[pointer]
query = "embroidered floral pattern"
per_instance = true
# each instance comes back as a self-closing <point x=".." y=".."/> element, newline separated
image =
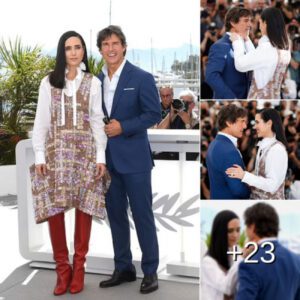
<point x="71" y="162"/>
<point x="260" y="194"/>
<point x="272" y="89"/>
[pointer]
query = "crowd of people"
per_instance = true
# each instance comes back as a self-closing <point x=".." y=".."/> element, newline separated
<point x="213" y="27"/>
<point x="290" y="115"/>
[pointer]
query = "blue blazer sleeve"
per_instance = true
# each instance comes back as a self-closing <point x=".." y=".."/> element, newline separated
<point x="236" y="186"/>
<point x="214" y="69"/>
<point x="248" y="283"/>
<point x="150" y="107"/>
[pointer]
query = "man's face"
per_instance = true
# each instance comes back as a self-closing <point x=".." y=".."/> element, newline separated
<point x="112" y="51"/>
<point x="188" y="99"/>
<point x="243" y="26"/>
<point x="166" y="96"/>
<point x="237" y="129"/>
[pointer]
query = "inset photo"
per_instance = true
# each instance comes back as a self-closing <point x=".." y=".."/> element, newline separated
<point x="250" y="150"/>
<point x="250" y="250"/>
<point x="250" y="49"/>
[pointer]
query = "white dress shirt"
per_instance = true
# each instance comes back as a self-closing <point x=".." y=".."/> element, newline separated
<point x="231" y="137"/>
<point x="110" y="86"/>
<point x="276" y="164"/>
<point x="261" y="60"/>
<point x="215" y="282"/>
<point x="42" y="120"/>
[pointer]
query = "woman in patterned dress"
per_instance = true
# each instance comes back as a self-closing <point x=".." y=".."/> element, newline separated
<point x="271" y="164"/>
<point x="69" y="144"/>
<point x="269" y="61"/>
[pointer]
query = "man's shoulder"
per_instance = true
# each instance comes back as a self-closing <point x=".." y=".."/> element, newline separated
<point x="222" y="44"/>
<point x="223" y="144"/>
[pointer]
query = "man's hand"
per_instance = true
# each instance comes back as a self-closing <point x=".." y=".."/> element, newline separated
<point x="100" y="170"/>
<point x="185" y="117"/>
<point x="41" y="169"/>
<point x="113" y="128"/>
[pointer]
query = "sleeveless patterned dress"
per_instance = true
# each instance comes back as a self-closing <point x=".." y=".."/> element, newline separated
<point x="260" y="194"/>
<point x="272" y="89"/>
<point x="71" y="162"/>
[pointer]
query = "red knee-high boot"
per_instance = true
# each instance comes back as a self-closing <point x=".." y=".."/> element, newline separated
<point x="60" y="253"/>
<point x="83" y="223"/>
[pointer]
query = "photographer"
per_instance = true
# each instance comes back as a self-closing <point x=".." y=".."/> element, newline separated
<point x="210" y="36"/>
<point x="166" y="97"/>
<point x="181" y="115"/>
<point x="295" y="60"/>
<point x="286" y="10"/>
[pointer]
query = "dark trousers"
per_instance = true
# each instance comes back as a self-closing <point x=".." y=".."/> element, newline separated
<point x="135" y="189"/>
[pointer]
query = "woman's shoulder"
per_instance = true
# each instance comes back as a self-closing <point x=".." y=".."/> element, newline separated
<point x="45" y="83"/>
<point x="278" y="148"/>
<point x="209" y="261"/>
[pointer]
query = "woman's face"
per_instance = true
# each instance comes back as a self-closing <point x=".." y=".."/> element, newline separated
<point x="233" y="231"/>
<point x="262" y="27"/>
<point x="74" y="52"/>
<point x="263" y="129"/>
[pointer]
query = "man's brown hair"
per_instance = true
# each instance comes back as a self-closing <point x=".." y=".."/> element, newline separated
<point x="234" y="15"/>
<point x="230" y="113"/>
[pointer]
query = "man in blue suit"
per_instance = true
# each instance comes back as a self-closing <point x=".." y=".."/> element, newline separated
<point x="223" y="153"/>
<point x="131" y="105"/>
<point x="221" y="75"/>
<point x="276" y="274"/>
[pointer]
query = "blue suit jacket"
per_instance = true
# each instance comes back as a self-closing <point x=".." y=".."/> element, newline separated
<point x="136" y="106"/>
<point x="222" y="154"/>
<point x="277" y="281"/>
<point x="221" y="75"/>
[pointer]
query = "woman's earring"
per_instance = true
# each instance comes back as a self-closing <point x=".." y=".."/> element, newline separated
<point x="82" y="66"/>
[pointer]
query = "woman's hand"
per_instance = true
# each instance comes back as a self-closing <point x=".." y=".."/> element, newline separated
<point x="100" y="170"/>
<point x="235" y="172"/>
<point x="234" y="36"/>
<point x="41" y="169"/>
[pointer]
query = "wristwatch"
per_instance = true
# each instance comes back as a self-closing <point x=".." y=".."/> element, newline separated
<point x="187" y="126"/>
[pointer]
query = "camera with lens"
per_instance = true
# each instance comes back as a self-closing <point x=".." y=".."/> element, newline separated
<point x="212" y="28"/>
<point x="180" y="105"/>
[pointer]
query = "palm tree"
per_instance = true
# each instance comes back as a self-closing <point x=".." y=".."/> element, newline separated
<point x="22" y="68"/>
<point x="94" y="65"/>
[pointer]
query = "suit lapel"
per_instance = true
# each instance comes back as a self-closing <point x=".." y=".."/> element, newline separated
<point x="124" y="78"/>
<point x="101" y="77"/>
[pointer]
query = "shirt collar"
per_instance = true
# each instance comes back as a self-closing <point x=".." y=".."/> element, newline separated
<point x="266" y="142"/>
<point x="232" y="138"/>
<point x="78" y="75"/>
<point x="118" y="72"/>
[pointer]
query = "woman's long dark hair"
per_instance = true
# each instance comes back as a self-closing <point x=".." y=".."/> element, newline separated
<point x="277" y="126"/>
<point x="57" y="76"/>
<point x="219" y="237"/>
<point x="275" y="27"/>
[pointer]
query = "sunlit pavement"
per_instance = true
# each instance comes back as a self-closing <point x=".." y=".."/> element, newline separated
<point x="19" y="281"/>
